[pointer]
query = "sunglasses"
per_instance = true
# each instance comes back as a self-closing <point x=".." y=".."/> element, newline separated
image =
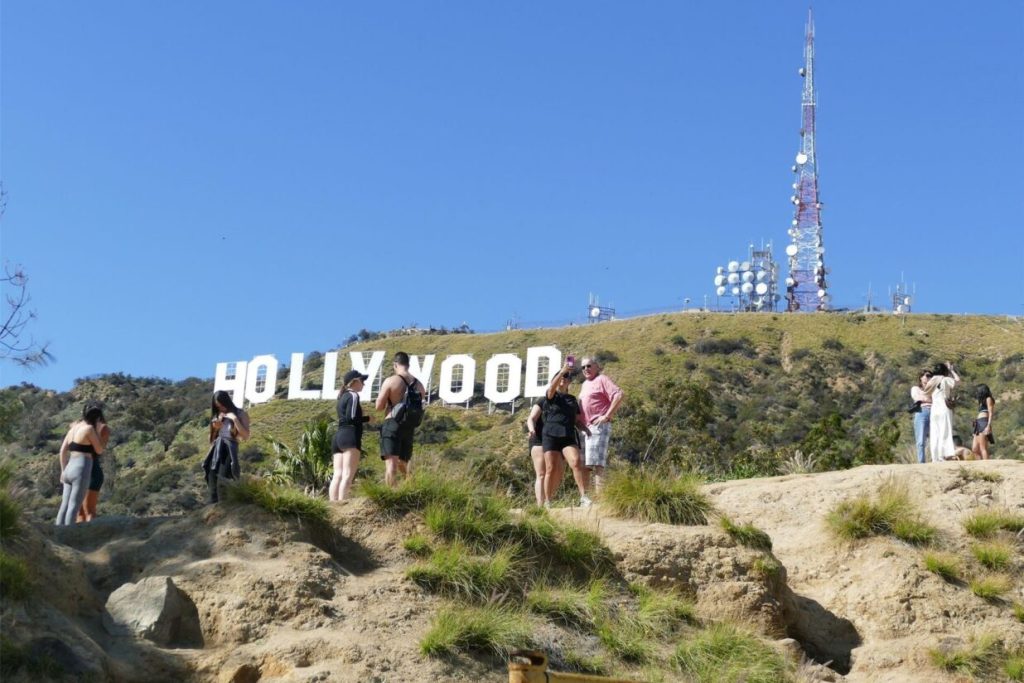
<point x="588" y="366"/>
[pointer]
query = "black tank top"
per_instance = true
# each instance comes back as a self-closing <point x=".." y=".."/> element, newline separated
<point x="82" y="448"/>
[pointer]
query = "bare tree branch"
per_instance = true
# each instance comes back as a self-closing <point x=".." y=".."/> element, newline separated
<point x="14" y="346"/>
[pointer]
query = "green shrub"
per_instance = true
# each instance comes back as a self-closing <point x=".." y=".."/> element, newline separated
<point x="309" y="466"/>
<point x="979" y="659"/>
<point x="945" y="565"/>
<point x="891" y="513"/>
<point x="14" y="659"/>
<point x="584" y="551"/>
<point x="983" y="523"/>
<point x="626" y="640"/>
<point x="475" y="521"/>
<point x="652" y="497"/>
<point x="746" y="534"/>
<point x="1018" y="611"/>
<point x="992" y="587"/>
<point x="569" y="606"/>
<point x="14" y="582"/>
<point x="417" y="493"/>
<point x="765" y="567"/>
<point x="10" y="513"/>
<point x="454" y="570"/>
<point x="281" y="500"/>
<point x="489" y="629"/>
<point x="575" y="662"/>
<point x="969" y="474"/>
<point x="725" y="653"/>
<point x="661" y="613"/>
<point x="996" y="556"/>
<point x="418" y="545"/>
<point x="1014" y="667"/>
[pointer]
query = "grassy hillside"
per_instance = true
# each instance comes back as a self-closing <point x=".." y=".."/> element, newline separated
<point x="724" y="395"/>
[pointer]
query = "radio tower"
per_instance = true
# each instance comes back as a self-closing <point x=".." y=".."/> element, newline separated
<point x="806" y="288"/>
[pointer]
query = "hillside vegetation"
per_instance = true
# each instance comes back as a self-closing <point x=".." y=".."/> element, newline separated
<point x="723" y="396"/>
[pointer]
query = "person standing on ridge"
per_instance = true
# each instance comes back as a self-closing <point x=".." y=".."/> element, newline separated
<point x="92" y="497"/>
<point x="599" y="400"/>
<point x="348" y="440"/>
<point x="229" y="424"/>
<point x="401" y="396"/>
<point x="941" y="387"/>
<point x="922" y="415"/>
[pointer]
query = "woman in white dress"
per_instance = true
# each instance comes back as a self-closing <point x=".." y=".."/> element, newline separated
<point x="940" y="428"/>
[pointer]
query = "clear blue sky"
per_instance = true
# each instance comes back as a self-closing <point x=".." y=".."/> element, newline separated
<point x="194" y="182"/>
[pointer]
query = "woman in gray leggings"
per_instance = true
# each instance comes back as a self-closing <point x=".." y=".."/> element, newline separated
<point x="81" y="444"/>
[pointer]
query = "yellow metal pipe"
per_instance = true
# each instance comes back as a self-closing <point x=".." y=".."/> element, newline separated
<point x="530" y="666"/>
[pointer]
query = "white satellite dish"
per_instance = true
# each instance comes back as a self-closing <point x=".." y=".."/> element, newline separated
<point x="719" y="270"/>
<point x="821" y="250"/>
<point x="803" y="72"/>
<point x="758" y="303"/>
<point x="791" y="232"/>
<point x="734" y="266"/>
<point x="733" y="278"/>
<point x="795" y="186"/>
<point x="762" y="288"/>
<point x="747" y="276"/>
<point x="793" y="169"/>
<point x="795" y="222"/>
<point x="594" y="312"/>
<point x="747" y="288"/>
<point x="901" y="309"/>
<point x="720" y="291"/>
<point x="745" y="265"/>
<point x="735" y="291"/>
<point x="906" y="301"/>
<point x="719" y="280"/>
<point x="761" y="274"/>
<point x="790" y="282"/>
<point x="791" y="250"/>
<point x="794" y="199"/>
<point x="801" y="158"/>
<point x="822" y="293"/>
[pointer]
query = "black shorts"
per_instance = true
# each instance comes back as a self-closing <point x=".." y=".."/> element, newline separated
<point x="396" y="439"/>
<point x="979" y="425"/>
<point x="535" y="440"/>
<point x="348" y="437"/>
<point x="558" y="443"/>
<point x="96" y="475"/>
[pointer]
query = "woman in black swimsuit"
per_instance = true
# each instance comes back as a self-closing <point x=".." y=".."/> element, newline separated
<point x="983" y="422"/>
<point x="228" y="425"/>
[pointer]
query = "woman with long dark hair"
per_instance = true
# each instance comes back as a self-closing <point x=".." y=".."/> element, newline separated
<point x="228" y="425"/>
<point x="81" y="444"/>
<point x="922" y="414"/>
<point x="940" y="427"/>
<point x="983" y="422"/>
<point x="562" y="417"/>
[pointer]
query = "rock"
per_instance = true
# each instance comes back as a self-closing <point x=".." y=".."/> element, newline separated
<point x="154" y="609"/>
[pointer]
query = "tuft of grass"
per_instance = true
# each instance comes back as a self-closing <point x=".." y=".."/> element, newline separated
<point x="626" y="640"/>
<point x="10" y="511"/>
<point x="418" y="545"/>
<point x="765" y="567"/>
<point x="454" y="570"/>
<point x="984" y="523"/>
<point x="281" y="500"/>
<point x="1014" y="667"/>
<point x="945" y="565"/>
<point x="746" y="534"/>
<point x="14" y="583"/>
<point x="583" y="550"/>
<point x="15" y="659"/>
<point x="724" y="652"/>
<point x="995" y="556"/>
<point x="992" y="587"/>
<point x="1018" y="611"/>
<point x="651" y="496"/>
<point x="890" y="513"/>
<point x="417" y="493"/>
<point x="980" y="658"/>
<point x="576" y="662"/>
<point x="569" y="606"/>
<point x="489" y="629"/>
<point x="660" y="613"/>
<point x="969" y="474"/>
<point x="476" y="521"/>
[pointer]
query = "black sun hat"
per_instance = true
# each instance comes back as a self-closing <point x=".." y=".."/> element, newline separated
<point x="354" y="374"/>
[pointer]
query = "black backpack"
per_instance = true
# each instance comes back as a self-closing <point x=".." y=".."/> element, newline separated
<point x="409" y="410"/>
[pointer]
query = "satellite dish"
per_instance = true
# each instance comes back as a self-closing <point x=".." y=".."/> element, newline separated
<point x="790" y="282"/>
<point x="758" y="303"/>
<point x="745" y="265"/>
<point x="761" y="275"/>
<point x="747" y="288"/>
<point x="803" y="72"/>
<point x="901" y="309"/>
<point x="735" y="291"/>
<point x="719" y="280"/>
<point x="821" y="250"/>
<point x="795" y="186"/>
<point x="720" y="291"/>
<point x="793" y="169"/>
<point x="795" y="222"/>
<point x="822" y="294"/>
<point x="734" y="266"/>
<point x="762" y="288"/>
<point x="719" y="270"/>
<point x="594" y="312"/>
<point x="794" y="199"/>
<point x="733" y="278"/>
<point x="747" y="276"/>
<point x="791" y="250"/>
<point x="778" y="297"/>
<point x="791" y="232"/>
<point x="906" y="301"/>
<point x="801" y="158"/>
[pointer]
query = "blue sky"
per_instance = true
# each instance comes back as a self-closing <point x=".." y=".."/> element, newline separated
<point x="195" y="182"/>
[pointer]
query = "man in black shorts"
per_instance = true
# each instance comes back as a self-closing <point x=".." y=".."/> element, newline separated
<point x="396" y="437"/>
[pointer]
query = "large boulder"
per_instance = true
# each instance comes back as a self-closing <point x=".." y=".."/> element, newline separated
<point x="154" y="609"/>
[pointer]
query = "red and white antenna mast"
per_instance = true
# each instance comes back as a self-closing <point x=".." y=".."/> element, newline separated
<point x="806" y="287"/>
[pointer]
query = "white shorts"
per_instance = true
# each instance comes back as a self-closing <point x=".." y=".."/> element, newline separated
<point x="596" y="454"/>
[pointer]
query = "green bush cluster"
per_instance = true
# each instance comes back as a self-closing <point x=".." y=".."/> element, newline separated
<point x="653" y="496"/>
<point x="889" y="513"/>
<point x="283" y="501"/>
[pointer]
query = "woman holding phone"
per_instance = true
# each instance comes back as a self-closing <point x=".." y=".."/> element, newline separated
<point x="562" y="417"/>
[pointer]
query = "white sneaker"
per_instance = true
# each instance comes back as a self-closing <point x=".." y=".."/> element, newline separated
<point x="547" y="504"/>
<point x="585" y="502"/>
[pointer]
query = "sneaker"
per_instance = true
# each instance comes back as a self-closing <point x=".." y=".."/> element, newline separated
<point x="585" y="502"/>
<point x="547" y="504"/>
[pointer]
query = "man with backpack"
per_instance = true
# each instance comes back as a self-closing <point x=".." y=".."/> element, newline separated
<point x="401" y="396"/>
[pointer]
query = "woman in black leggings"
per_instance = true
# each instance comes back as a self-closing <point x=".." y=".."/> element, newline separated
<point x="228" y="426"/>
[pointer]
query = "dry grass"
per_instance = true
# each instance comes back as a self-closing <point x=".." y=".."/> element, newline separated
<point x="890" y="513"/>
<point x="996" y="556"/>
<point x="746" y="534"/>
<point x="991" y="588"/>
<point x="985" y="523"/>
<point x="651" y="496"/>
<point x="979" y="659"/>
<point x="945" y="565"/>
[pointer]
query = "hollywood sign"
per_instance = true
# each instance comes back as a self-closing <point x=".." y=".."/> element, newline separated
<point x="504" y="380"/>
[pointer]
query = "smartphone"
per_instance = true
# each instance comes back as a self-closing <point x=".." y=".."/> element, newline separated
<point x="570" y="361"/>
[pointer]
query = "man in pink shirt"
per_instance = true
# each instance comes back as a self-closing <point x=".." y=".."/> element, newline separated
<point x="599" y="399"/>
